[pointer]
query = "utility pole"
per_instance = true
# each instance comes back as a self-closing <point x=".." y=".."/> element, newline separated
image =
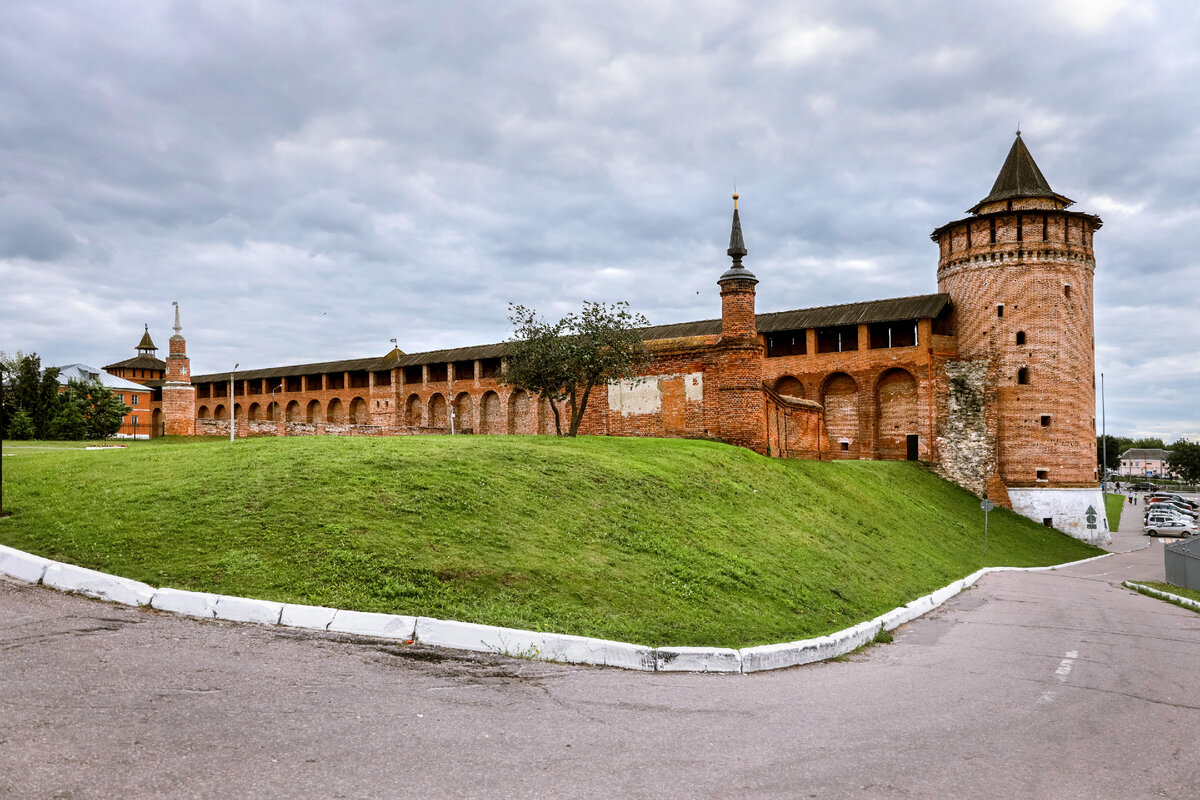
<point x="1103" y="440"/>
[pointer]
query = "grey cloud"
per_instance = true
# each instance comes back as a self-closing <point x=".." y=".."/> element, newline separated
<point x="33" y="229"/>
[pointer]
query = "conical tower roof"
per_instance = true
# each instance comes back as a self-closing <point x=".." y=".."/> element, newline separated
<point x="1020" y="177"/>
<point x="737" y="249"/>
<point x="146" y="343"/>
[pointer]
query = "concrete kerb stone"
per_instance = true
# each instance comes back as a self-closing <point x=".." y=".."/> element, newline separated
<point x="492" y="639"/>
<point x="244" y="609"/>
<point x="367" y="623"/>
<point x="697" y="659"/>
<point x="71" y="578"/>
<point x="312" y="617"/>
<point x="1174" y="598"/>
<point x="560" y="647"/>
<point x="23" y="566"/>
<point x="180" y="601"/>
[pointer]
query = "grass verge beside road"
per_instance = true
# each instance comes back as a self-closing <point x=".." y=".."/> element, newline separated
<point x="1113" y="505"/>
<point x="1178" y="591"/>
<point x="661" y="542"/>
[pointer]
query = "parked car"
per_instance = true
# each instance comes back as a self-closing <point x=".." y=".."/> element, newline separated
<point x="1173" y="527"/>
<point x="1144" y="487"/>
<point x="1159" y="497"/>
<point x="1172" y="505"/>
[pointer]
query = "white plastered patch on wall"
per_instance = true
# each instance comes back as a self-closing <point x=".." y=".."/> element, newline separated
<point x="644" y="396"/>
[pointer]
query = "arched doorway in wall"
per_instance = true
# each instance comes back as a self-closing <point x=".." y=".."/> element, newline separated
<point x="437" y="411"/>
<point x="790" y="387"/>
<point x="220" y="412"/>
<point x="412" y="411"/>
<point x="462" y="412"/>
<point x="520" y="413"/>
<point x="546" y="417"/>
<point x="489" y="413"/>
<point x="156" y="422"/>
<point x="254" y="412"/>
<point x="358" y="412"/>
<point x="839" y="396"/>
<point x="335" y="412"/>
<point x="897" y="422"/>
<point x="313" y="412"/>
<point x="292" y="412"/>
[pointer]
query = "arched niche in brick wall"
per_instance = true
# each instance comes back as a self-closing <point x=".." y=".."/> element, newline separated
<point x="520" y="413"/>
<point x="254" y="412"/>
<point x="489" y="413"/>
<point x="412" y="411"/>
<point x="546" y="417"/>
<point x="221" y="412"/>
<point x="335" y="412"/>
<point x="358" y="412"/>
<point x="839" y="396"/>
<point x="789" y="386"/>
<point x="462" y="411"/>
<point x="437" y="411"/>
<point x="313" y="412"/>
<point x="292" y="412"/>
<point x="202" y="412"/>
<point x="896" y="416"/>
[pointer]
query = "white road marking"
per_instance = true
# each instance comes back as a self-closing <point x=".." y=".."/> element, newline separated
<point x="1064" y="666"/>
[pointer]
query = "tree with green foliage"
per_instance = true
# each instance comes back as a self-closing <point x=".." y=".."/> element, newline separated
<point x="97" y="406"/>
<point x="1184" y="460"/>
<point x="68" y="424"/>
<point x="20" y="426"/>
<point x="564" y="361"/>
<point x="1110" y="448"/>
<point x="29" y="389"/>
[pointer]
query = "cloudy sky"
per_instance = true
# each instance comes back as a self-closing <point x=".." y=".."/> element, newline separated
<point x="312" y="179"/>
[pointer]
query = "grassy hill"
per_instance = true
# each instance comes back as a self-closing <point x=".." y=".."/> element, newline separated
<point x="661" y="542"/>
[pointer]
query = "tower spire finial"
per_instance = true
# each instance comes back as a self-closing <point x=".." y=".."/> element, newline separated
<point x="737" y="246"/>
<point x="177" y="326"/>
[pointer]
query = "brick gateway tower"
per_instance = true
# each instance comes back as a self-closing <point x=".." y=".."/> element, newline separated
<point x="1019" y="273"/>
<point x="178" y="393"/>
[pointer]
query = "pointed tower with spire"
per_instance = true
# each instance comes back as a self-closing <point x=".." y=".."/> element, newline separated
<point x="741" y="405"/>
<point x="178" y="394"/>
<point x="1019" y="274"/>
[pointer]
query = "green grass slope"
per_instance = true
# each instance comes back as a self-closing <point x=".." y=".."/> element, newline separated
<point x="661" y="542"/>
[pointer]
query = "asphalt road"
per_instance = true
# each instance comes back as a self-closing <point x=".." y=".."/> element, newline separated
<point x="1038" y="685"/>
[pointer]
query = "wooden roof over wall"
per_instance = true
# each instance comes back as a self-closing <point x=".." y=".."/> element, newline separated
<point x="925" y="306"/>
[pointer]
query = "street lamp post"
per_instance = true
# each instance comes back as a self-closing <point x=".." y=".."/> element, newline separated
<point x="232" y="415"/>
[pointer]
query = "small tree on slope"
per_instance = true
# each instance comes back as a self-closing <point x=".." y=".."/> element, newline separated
<point x="564" y="361"/>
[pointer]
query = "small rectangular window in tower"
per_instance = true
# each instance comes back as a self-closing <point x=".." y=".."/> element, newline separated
<point x="845" y="446"/>
<point x="1023" y="376"/>
<point x="1000" y="309"/>
<point x="1066" y="290"/>
<point x="1043" y="474"/>
<point x="1048" y="522"/>
<point x="1045" y="420"/>
<point x="993" y="221"/>
<point x="1020" y="337"/>
<point x="1020" y="228"/>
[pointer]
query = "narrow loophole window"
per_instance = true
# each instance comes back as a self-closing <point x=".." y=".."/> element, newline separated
<point x="1043" y="475"/>
<point x="1020" y="337"/>
<point x="1000" y="310"/>
<point x="1066" y="290"/>
<point x="1045" y="420"/>
<point x="1023" y="375"/>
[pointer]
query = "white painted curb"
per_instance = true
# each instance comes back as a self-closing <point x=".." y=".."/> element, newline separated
<point x="71" y="578"/>
<point x="366" y="623"/>
<point x="179" y="601"/>
<point x="23" y="566"/>
<point x="559" y="647"/>
<point x="1186" y="601"/>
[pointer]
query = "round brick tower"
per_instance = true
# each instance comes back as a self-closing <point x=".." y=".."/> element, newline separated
<point x="1019" y="274"/>
<point x="742" y="408"/>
